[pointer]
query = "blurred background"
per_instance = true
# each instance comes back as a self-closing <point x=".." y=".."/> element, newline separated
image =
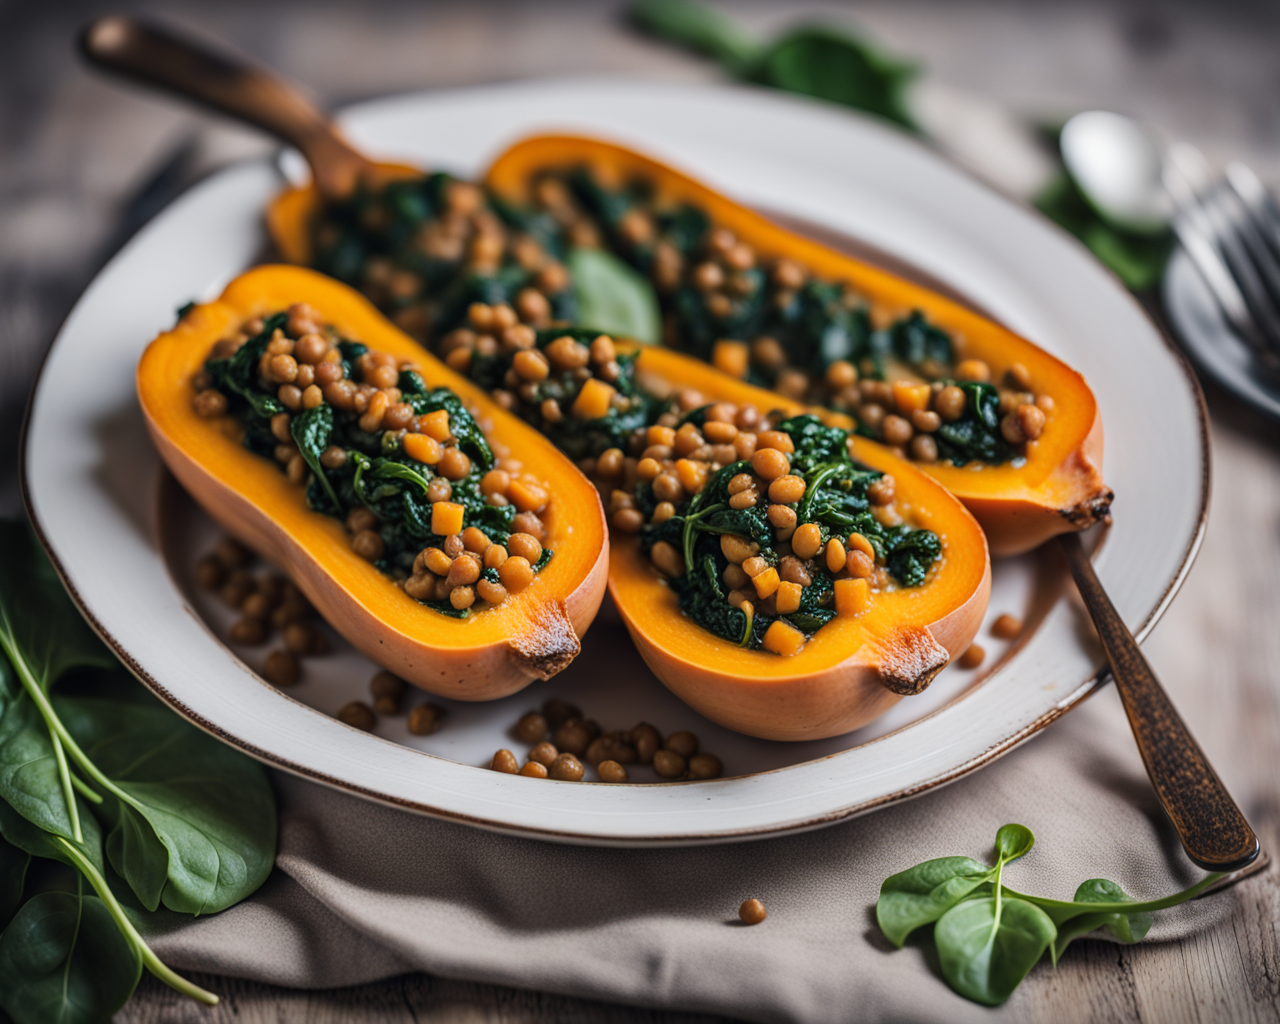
<point x="76" y="148"/>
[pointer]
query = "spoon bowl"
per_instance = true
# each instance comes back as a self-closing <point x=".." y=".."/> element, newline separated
<point x="1118" y="164"/>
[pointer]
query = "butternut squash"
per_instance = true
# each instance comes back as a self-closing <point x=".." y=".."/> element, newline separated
<point x="854" y="668"/>
<point x="1059" y="488"/>
<point x="531" y="635"/>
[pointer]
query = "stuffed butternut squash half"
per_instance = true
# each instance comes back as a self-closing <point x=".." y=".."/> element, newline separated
<point x="784" y="577"/>
<point x="441" y="536"/>
<point x="1011" y="430"/>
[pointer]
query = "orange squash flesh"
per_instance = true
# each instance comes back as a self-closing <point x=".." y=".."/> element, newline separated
<point x="495" y="652"/>
<point x="855" y="668"/>
<point x="1057" y="490"/>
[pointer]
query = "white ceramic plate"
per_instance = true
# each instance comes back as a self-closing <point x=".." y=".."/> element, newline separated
<point x="96" y="491"/>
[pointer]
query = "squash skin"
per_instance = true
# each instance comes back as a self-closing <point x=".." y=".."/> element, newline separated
<point x="1059" y="489"/>
<point x="854" y="669"/>
<point x="532" y="635"/>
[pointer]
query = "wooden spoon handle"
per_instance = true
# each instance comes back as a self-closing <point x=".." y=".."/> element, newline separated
<point x="1212" y="828"/>
<point x="156" y="57"/>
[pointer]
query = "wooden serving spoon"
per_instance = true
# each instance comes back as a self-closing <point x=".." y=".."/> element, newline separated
<point x="155" y="57"/>
<point x="1211" y="826"/>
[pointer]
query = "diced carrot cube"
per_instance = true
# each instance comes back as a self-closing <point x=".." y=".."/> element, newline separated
<point x="766" y="582"/>
<point x="527" y="497"/>
<point x="853" y="596"/>
<point x="435" y="424"/>
<point x="423" y="448"/>
<point x="446" y="518"/>
<point x="783" y="638"/>
<point x="789" y="598"/>
<point x="593" y="400"/>
<point x="910" y="397"/>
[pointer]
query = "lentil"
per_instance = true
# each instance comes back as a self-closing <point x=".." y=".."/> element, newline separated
<point x="611" y="771"/>
<point x="751" y="912"/>
<point x="1006" y="627"/>
<point x="424" y="719"/>
<point x="282" y="669"/>
<point x="504" y="761"/>
<point x="567" y="768"/>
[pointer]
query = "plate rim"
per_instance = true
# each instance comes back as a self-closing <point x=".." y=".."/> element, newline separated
<point x="1082" y="691"/>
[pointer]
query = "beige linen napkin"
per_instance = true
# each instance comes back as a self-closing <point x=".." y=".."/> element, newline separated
<point x="363" y="892"/>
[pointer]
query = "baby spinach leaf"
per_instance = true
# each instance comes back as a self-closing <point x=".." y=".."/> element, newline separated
<point x="911" y="555"/>
<point x="62" y="958"/>
<point x="1014" y="841"/>
<point x="461" y="423"/>
<point x="1127" y="928"/>
<point x="310" y="430"/>
<point x="209" y="807"/>
<point x="31" y="838"/>
<point x="922" y="894"/>
<point x="41" y="631"/>
<point x="613" y="298"/>
<point x="44" y="636"/>
<point x="987" y="945"/>
<point x="826" y="62"/>
<point x="237" y="373"/>
<point x="13" y="875"/>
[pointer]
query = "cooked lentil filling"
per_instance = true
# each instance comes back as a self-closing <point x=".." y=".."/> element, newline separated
<point x="427" y="250"/>
<point x="764" y="526"/>
<point x="406" y="467"/>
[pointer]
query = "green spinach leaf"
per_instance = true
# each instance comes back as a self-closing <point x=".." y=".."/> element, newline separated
<point x="987" y="945"/>
<point x="13" y="874"/>
<point x="311" y="429"/>
<point x="922" y="894"/>
<point x="209" y="807"/>
<point x="1127" y="928"/>
<point x="613" y="298"/>
<point x="62" y="958"/>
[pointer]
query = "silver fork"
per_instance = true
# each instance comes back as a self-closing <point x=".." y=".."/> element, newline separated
<point x="1230" y="228"/>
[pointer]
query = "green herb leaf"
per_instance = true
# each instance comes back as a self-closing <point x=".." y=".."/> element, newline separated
<point x="209" y="807"/>
<point x="922" y="894"/>
<point x="1127" y="928"/>
<point x="310" y="430"/>
<point x="1014" y="841"/>
<point x="987" y="945"/>
<point x="62" y="958"/>
<point x="13" y="875"/>
<point x="613" y="298"/>
<point x="700" y="28"/>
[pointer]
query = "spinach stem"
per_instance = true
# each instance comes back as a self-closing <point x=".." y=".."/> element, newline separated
<point x="58" y="731"/>
<point x="153" y="963"/>
<point x="83" y="788"/>
<point x="41" y="701"/>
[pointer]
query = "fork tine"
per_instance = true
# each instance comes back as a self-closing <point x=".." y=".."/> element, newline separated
<point x="1216" y="274"/>
<point x="1257" y="201"/>
<point x="1249" y="258"/>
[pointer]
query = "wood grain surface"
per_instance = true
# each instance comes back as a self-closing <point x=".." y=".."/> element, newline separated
<point x="73" y="147"/>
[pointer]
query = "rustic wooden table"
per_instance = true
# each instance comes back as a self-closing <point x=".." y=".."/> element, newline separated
<point x="72" y="147"/>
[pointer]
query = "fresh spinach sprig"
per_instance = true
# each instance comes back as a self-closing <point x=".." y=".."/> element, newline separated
<point x="110" y="808"/>
<point x="988" y="936"/>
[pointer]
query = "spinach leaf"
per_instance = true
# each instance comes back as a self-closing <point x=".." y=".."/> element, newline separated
<point x="987" y="945"/>
<point x="612" y="297"/>
<point x="43" y="636"/>
<point x="922" y="894"/>
<point x="1127" y="928"/>
<point x="13" y="875"/>
<point x="911" y="555"/>
<point x="178" y="792"/>
<point x="976" y="435"/>
<point x="828" y="63"/>
<point x="988" y="936"/>
<point x="236" y="375"/>
<point x="917" y="342"/>
<point x="62" y="958"/>
<point x="310" y="430"/>
<point x="461" y="423"/>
